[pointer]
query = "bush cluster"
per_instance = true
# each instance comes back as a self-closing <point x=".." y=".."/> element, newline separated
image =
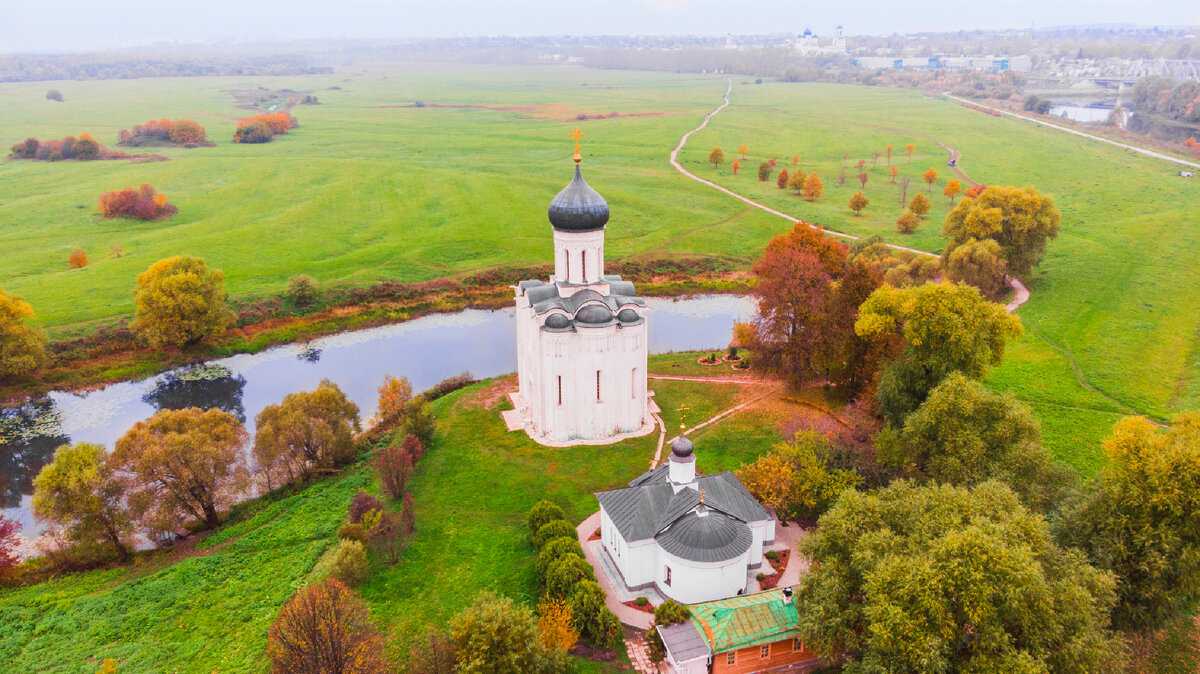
<point x="83" y="148"/>
<point x="183" y="132"/>
<point x="264" y="128"/>
<point x="144" y="203"/>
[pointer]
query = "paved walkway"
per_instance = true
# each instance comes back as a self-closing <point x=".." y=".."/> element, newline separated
<point x="629" y="616"/>
<point x="639" y="654"/>
<point x="1022" y="291"/>
<point x="1067" y="129"/>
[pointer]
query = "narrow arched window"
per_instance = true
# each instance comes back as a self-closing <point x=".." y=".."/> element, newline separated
<point x="583" y="264"/>
<point x="560" y="389"/>
<point x="597" y="385"/>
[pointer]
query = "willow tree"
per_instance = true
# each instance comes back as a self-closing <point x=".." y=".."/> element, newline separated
<point x="309" y="430"/>
<point x="180" y="301"/>
<point x="80" y="492"/>
<point x="1020" y="219"/>
<point x="22" y="346"/>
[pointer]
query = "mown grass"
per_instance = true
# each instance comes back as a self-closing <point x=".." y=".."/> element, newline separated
<point x="472" y="491"/>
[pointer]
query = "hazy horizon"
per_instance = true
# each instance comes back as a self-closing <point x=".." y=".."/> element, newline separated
<point x="28" y="26"/>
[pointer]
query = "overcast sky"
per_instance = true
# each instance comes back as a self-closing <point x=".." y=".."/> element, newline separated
<point x="58" y="25"/>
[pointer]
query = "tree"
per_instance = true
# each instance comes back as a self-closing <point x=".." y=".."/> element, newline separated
<point x="554" y="551"/>
<point x="952" y="190"/>
<point x="946" y="327"/>
<point x="875" y="158"/>
<point x="1140" y="519"/>
<point x="924" y="578"/>
<point x="542" y="513"/>
<point x="394" y="396"/>
<point x="771" y="161"/>
<point x="253" y="132"/>
<point x="735" y="166"/>
<point x="180" y="301"/>
<point x="413" y="445"/>
<point x="978" y="263"/>
<point x="920" y="205"/>
<point x="889" y="156"/>
<point x="892" y="171"/>
<point x="908" y="222"/>
<point x="303" y="290"/>
<point x="565" y="573"/>
<point x="670" y="612"/>
<point x="795" y="479"/>
<point x="742" y="151"/>
<point x="394" y="466"/>
<point x="781" y="180"/>
<point x="551" y="531"/>
<point x="86" y="148"/>
<point x="964" y="434"/>
<point x="388" y="536"/>
<point x="842" y="175"/>
<point x="420" y="421"/>
<point x="408" y="515"/>
<point x="764" y="172"/>
<point x="54" y="95"/>
<point x="183" y="464"/>
<point x="795" y="181"/>
<point x="795" y="160"/>
<point x="437" y="654"/>
<point x="350" y="563"/>
<point x="556" y="623"/>
<point x="360" y="505"/>
<point x="1021" y="220"/>
<point x="496" y="636"/>
<point x="325" y="628"/>
<point x="858" y="201"/>
<point x="309" y="430"/>
<point x="78" y="259"/>
<point x="716" y="157"/>
<point x="813" y="187"/>
<point x="187" y="132"/>
<point x="862" y="180"/>
<point x="22" y="347"/>
<point x="904" y="182"/>
<point x="908" y="151"/>
<point x="79" y="492"/>
<point x="10" y="540"/>
<point x="929" y="177"/>
<point x="144" y="203"/>
<point x="597" y="624"/>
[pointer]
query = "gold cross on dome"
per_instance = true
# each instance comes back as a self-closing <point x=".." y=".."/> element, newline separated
<point x="702" y="496"/>
<point x="577" y="134"/>
<point x="682" y="409"/>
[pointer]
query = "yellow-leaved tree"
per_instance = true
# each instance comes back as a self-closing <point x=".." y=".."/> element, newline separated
<point x="180" y="301"/>
<point x="1020" y="219"/>
<point x="813" y="187"/>
<point x="22" y="346"/>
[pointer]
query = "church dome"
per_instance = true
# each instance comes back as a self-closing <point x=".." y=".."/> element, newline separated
<point x="682" y="447"/>
<point x="627" y="316"/>
<point x="578" y="207"/>
<point x="715" y="537"/>
<point x="557" y="321"/>
<point x="593" y="314"/>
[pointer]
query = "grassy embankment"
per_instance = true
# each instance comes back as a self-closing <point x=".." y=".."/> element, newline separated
<point x="472" y="492"/>
<point x="1117" y="295"/>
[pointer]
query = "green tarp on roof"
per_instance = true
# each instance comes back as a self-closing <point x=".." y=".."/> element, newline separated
<point x="746" y="620"/>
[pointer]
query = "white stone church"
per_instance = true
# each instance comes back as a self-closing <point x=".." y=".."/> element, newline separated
<point x="581" y="336"/>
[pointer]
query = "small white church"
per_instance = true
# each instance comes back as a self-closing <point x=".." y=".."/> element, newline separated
<point x="581" y="336"/>
<point x="693" y="538"/>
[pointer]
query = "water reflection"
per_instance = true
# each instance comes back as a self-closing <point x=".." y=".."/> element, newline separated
<point x="29" y="434"/>
<point x="203" y="386"/>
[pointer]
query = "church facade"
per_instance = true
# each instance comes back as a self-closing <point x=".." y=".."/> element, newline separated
<point x="581" y="335"/>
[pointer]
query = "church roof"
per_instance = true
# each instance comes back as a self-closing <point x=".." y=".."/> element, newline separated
<point x="713" y="537"/>
<point x="578" y="207"/>
<point x="605" y="309"/>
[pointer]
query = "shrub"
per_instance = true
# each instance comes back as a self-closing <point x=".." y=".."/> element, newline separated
<point x="325" y="628"/>
<point x="564" y="574"/>
<point x="22" y="346"/>
<point x="641" y="601"/>
<point x="389" y="535"/>
<point x="413" y="446"/>
<point x="436" y="654"/>
<point x="908" y="223"/>
<point x="394" y="396"/>
<point x="670" y="612"/>
<point x="771" y="555"/>
<point x="394" y="466"/>
<point x="556" y="625"/>
<point x="78" y="259"/>
<point x="420" y="421"/>
<point x="302" y="290"/>
<point x="160" y="131"/>
<point x="553" y="551"/>
<point x="361" y="504"/>
<point x="920" y="205"/>
<point x="26" y="149"/>
<point x="86" y="148"/>
<point x="54" y="95"/>
<point x="732" y="352"/>
<point x="551" y="531"/>
<point x="761" y="577"/>
<point x="495" y="635"/>
<point x="353" y="532"/>
<point x="350" y="563"/>
<point x="597" y="624"/>
<point x="254" y="132"/>
<point x="144" y="203"/>
<point x="542" y="513"/>
<point x="263" y="128"/>
<point x="187" y="132"/>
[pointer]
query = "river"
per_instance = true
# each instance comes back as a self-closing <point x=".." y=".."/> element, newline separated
<point x="426" y="350"/>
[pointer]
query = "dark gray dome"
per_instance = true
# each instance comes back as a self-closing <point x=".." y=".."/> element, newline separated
<point x="593" y="314"/>
<point x="627" y="316"/>
<point x="716" y="537"/>
<point x="682" y="447"/>
<point x="557" y="321"/>
<point x="578" y="208"/>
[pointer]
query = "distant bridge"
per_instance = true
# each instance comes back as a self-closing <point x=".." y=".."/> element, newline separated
<point x="1178" y="69"/>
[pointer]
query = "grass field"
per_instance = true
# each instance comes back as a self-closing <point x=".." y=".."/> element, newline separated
<point x="472" y="490"/>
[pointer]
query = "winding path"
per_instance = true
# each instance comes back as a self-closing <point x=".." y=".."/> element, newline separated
<point x="1022" y="293"/>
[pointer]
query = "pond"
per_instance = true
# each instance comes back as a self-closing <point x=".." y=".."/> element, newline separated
<point x="426" y="350"/>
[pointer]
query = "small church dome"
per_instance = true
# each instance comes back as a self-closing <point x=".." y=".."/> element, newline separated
<point x="557" y="321"/>
<point x="593" y="314"/>
<point x="627" y="316"/>
<point x="578" y="207"/>
<point x="682" y="447"/>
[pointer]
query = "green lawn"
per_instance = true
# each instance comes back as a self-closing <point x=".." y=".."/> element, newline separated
<point x="472" y="490"/>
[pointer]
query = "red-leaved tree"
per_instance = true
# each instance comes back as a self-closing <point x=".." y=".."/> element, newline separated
<point x="325" y="628"/>
<point x="9" y="541"/>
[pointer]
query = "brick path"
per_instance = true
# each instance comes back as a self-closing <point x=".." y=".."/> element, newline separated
<point x="639" y="654"/>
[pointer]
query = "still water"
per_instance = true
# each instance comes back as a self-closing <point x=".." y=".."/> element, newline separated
<point x="426" y="350"/>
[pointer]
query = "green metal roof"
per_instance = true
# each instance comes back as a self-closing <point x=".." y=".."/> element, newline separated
<point x="746" y="620"/>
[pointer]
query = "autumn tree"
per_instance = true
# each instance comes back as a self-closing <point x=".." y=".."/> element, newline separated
<point x="771" y="161"/>
<point x="187" y="132"/>
<point x="86" y="148"/>
<point x="813" y="187"/>
<point x="435" y="654"/>
<point x="920" y="205"/>
<point x="908" y="151"/>
<point x="921" y="578"/>
<point x="325" y="628"/>
<point x="1140" y="519"/>
<point x="716" y="157"/>
<point x="862" y="180"/>
<point x="394" y="466"/>
<point x="22" y="346"/>
<point x="183" y="464"/>
<point x="964" y="434"/>
<point x="908" y="222"/>
<point x="764" y="172"/>
<point x="307" y="431"/>
<point x="892" y="171"/>
<point x="394" y="396"/>
<point x="858" y="201"/>
<point x="946" y="327"/>
<point x="144" y="203"/>
<point x="1021" y="220"/>
<point x="556" y="622"/>
<point x="795" y="160"/>
<point x="10" y="540"/>
<point x="252" y="133"/>
<point x="978" y="263"/>
<point x="736" y="165"/>
<point x="180" y="301"/>
<point x="889" y="156"/>
<point x="742" y="151"/>
<point x="781" y="180"/>
<point x="952" y="190"/>
<point x="795" y="181"/>
<point x="81" y="494"/>
<point x="796" y="479"/>
<point x="930" y="177"/>
<point x="495" y="635"/>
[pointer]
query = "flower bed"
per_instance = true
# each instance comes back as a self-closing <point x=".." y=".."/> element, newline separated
<point x="644" y="608"/>
<point x="779" y="564"/>
<point x="595" y="536"/>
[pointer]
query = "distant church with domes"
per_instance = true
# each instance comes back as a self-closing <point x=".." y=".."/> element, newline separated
<point x="581" y="335"/>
